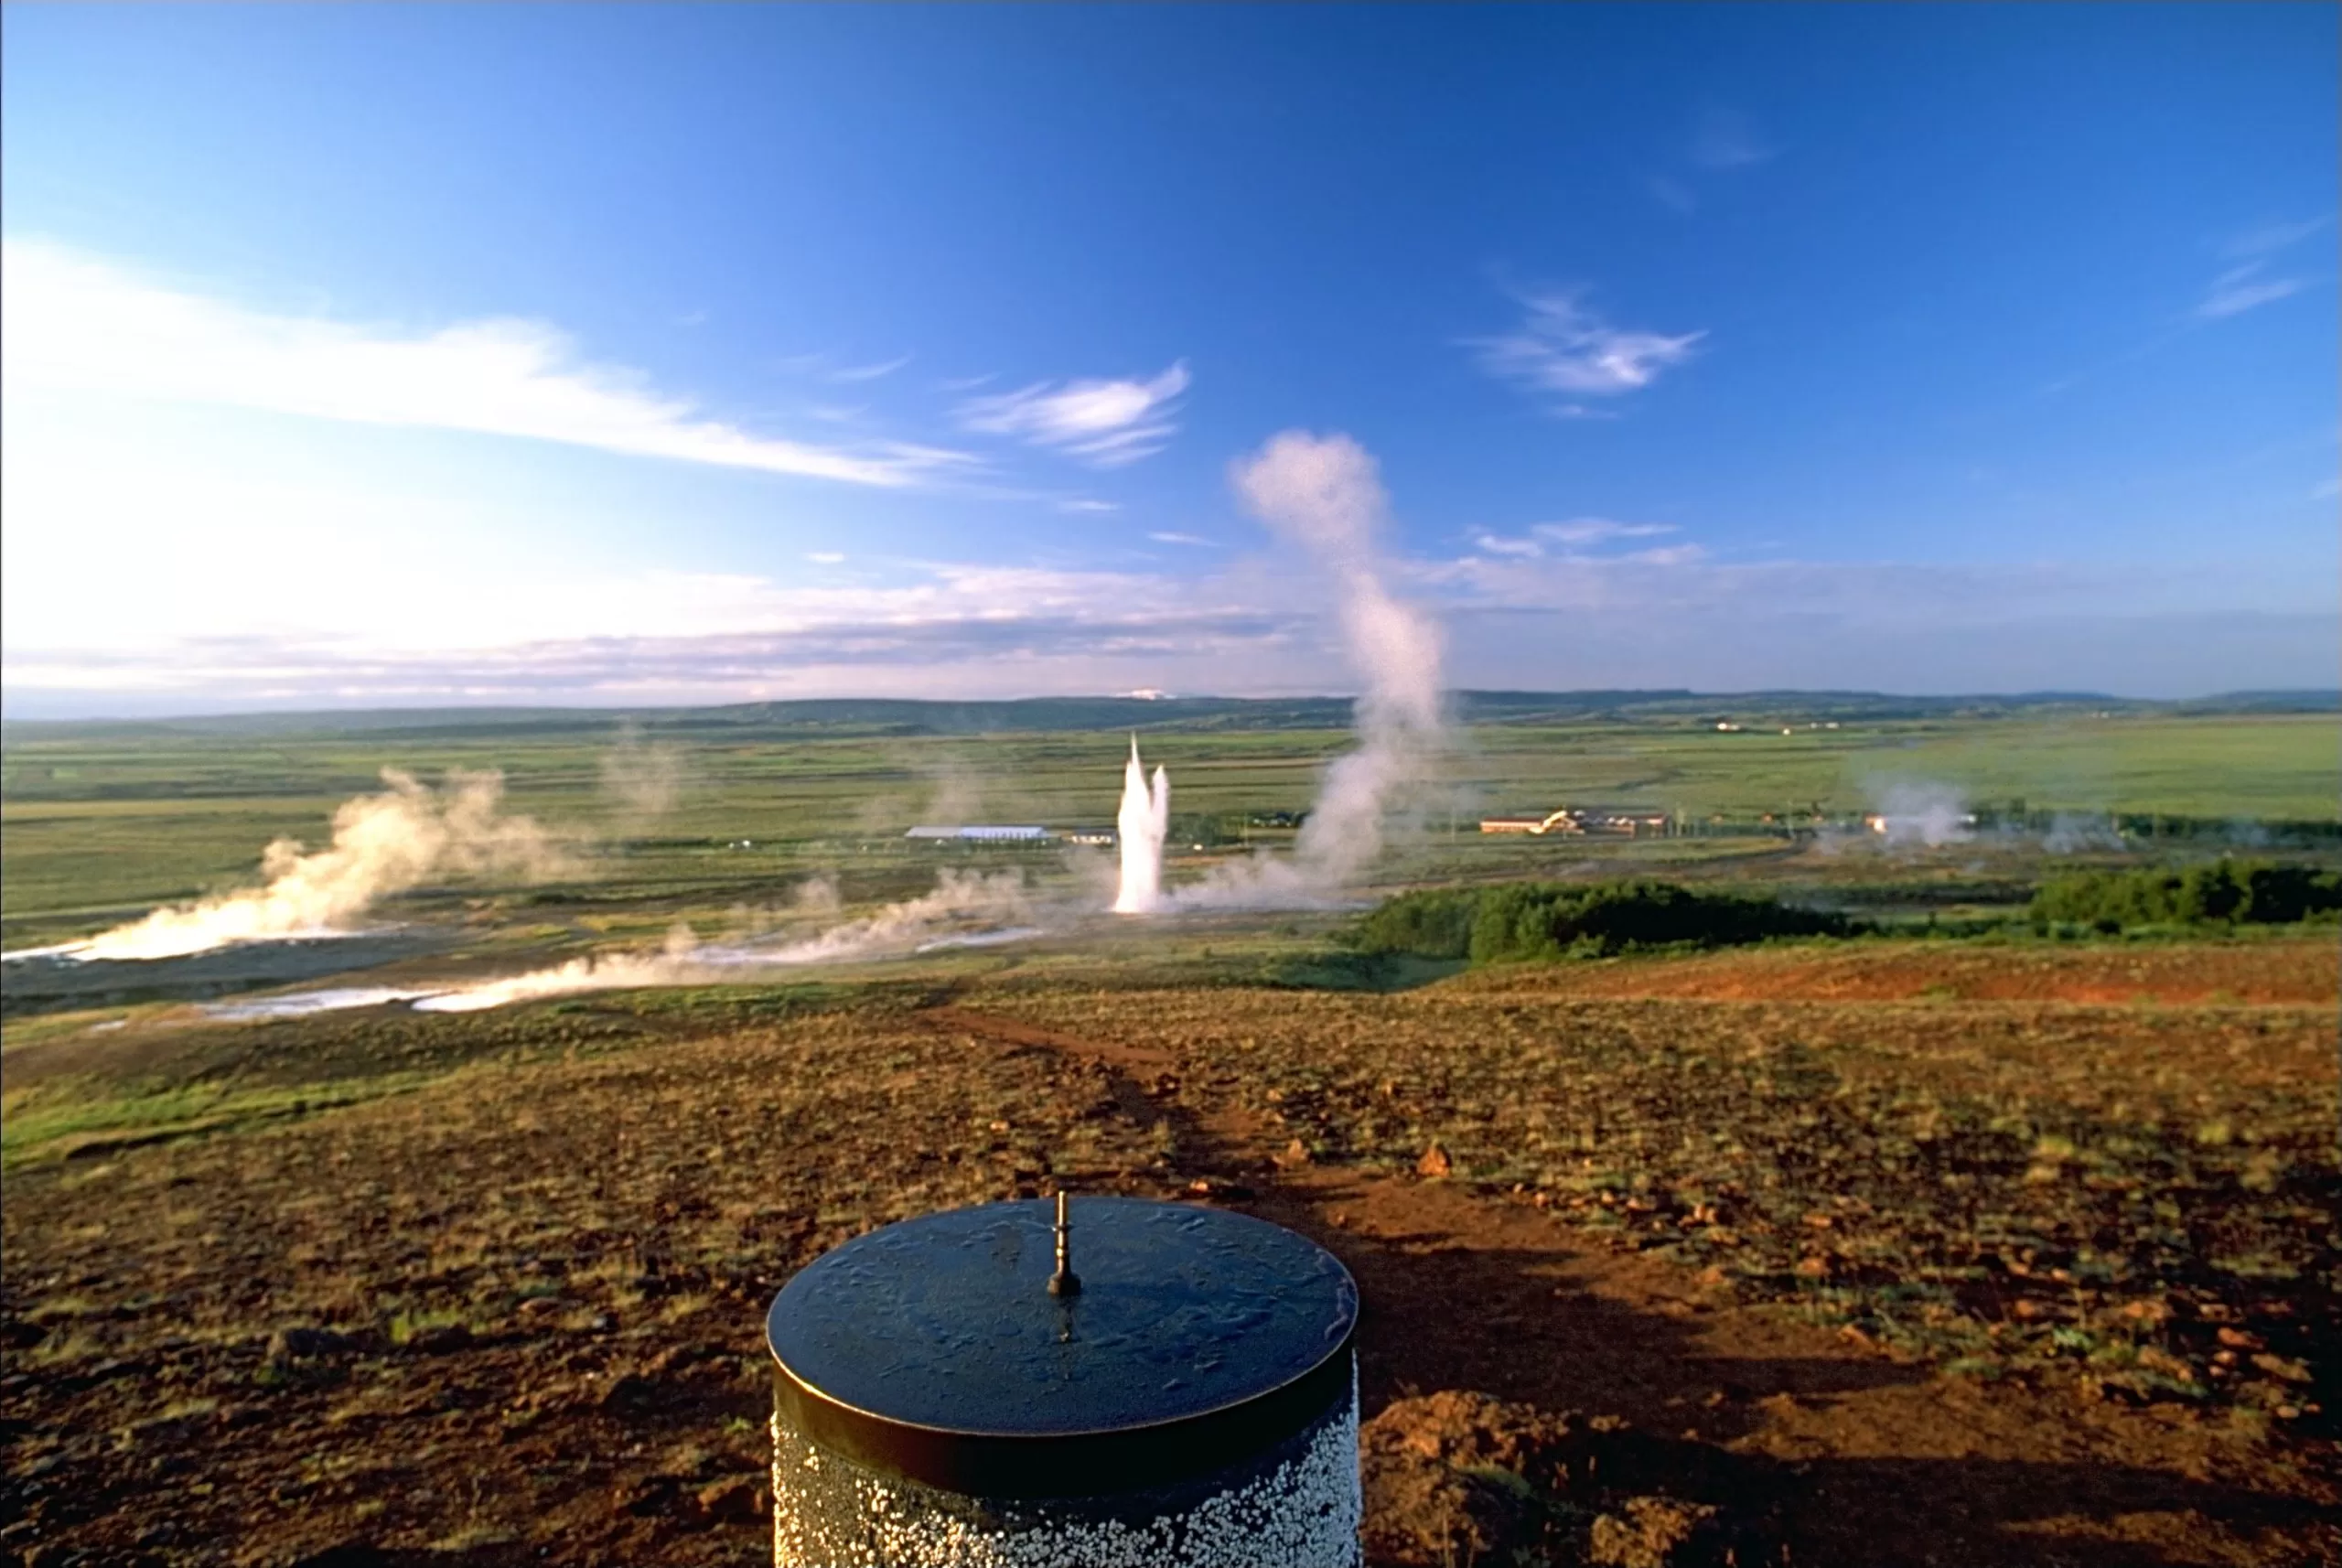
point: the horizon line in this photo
(2324, 696)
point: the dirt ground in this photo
(515, 1316)
(1853, 1456)
(2268, 972)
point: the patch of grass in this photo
(405, 1327)
(74, 1121)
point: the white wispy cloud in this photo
(1501, 545)
(1104, 423)
(2249, 282)
(825, 557)
(1086, 505)
(1563, 348)
(1565, 538)
(870, 373)
(2243, 288)
(2272, 237)
(1727, 139)
(85, 325)
(1673, 195)
(1593, 530)
(1195, 539)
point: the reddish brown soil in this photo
(1857, 1459)
(2287, 972)
(514, 1316)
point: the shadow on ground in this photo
(1468, 1293)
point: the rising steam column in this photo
(1107, 1383)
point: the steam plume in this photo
(960, 898)
(1920, 813)
(643, 780)
(1324, 494)
(382, 844)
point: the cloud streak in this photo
(2244, 289)
(1106, 424)
(1565, 538)
(2272, 237)
(1726, 139)
(2249, 285)
(82, 325)
(1563, 348)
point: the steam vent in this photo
(1099, 1383)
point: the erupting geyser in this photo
(1144, 818)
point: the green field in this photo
(2056, 1200)
(103, 822)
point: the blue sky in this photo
(397, 355)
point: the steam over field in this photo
(1843, 1186)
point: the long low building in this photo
(1561, 822)
(1582, 820)
(977, 833)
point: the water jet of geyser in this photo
(1140, 827)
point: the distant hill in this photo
(842, 716)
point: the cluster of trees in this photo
(2227, 891)
(1555, 919)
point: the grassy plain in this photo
(97, 826)
(1887, 1250)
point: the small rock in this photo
(732, 1498)
(1212, 1186)
(627, 1392)
(1457, 1476)
(642, 1494)
(2291, 1371)
(1295, 1153)
(287, 1346)
(439, 1341)
(1434, 1164)
(1651, 1533)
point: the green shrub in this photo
(1552, 920)
(2225, 892)
(1433, 923)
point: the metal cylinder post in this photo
(1104, 1383)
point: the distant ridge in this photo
(841, 716)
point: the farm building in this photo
(984, 835)
(1583, 819)
(1562, 821)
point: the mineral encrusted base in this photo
(1297, 1505)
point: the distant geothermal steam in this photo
(1932, 815)
(1322, 493)
(965, 908)
(382, 844)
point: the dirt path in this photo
(1870, 1459)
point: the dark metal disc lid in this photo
(934, 1348)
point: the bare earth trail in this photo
(1864, 1458)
